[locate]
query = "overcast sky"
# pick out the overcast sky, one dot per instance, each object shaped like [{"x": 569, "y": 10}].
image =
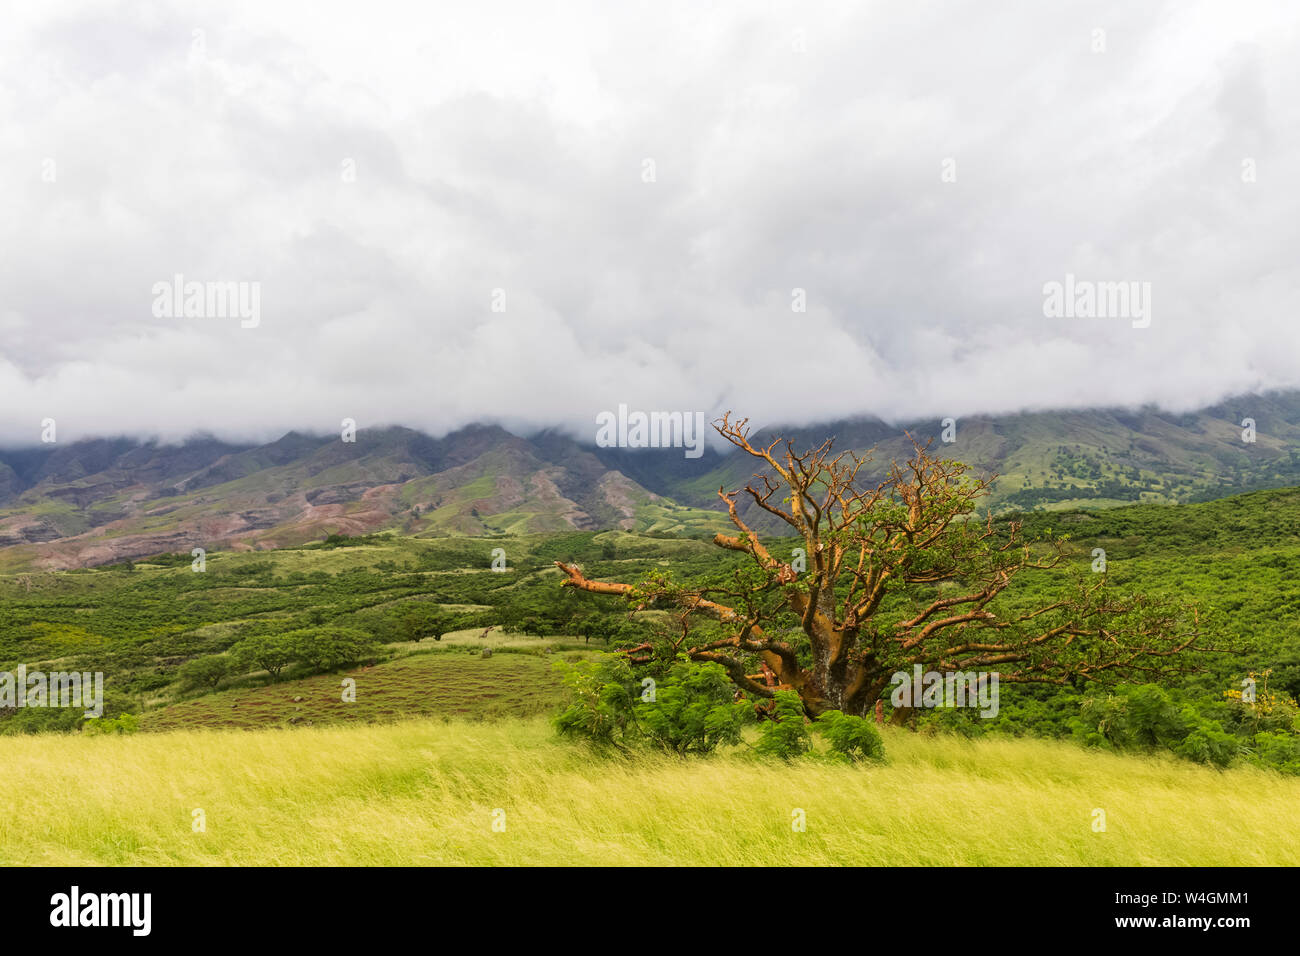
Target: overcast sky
[{"x": 379, "y": 169}]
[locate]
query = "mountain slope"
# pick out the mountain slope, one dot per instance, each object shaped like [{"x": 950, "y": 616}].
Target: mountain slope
[
  {"x": 1092, "y": 458},
  {"x": 98, "y": 502},
  {"x": 108, "y": 499}
]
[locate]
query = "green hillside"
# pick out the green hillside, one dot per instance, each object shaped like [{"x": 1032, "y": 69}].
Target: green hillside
[
  {"x": 1237, "y": 558},
  {"x": 427, "y": 684},
  {"x": 1061, "y": 460}
]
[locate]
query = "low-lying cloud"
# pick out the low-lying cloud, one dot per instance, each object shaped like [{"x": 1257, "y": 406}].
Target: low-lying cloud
[{"x": 530, "y": 213}]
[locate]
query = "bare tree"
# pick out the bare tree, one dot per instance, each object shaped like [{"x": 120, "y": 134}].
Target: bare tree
[{"x": 897, "y": 574}]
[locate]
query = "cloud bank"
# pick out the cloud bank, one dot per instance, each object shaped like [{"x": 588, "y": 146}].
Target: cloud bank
[{"x": 531, "y": 212}]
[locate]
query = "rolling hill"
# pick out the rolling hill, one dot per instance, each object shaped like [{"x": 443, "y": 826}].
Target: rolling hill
[{"x": 106, "y": 500}]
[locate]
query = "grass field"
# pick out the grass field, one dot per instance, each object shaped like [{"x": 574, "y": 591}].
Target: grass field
[
  {"x": 432, "y": 684},
  {"x": 424, "y": 792}
]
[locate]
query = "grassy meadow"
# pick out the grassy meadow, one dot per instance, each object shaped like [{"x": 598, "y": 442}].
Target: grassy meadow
[
  {"x": 419, "y": 685},
  {"x": 440, "y": 736},
  {"x": 424, "y": 792}
]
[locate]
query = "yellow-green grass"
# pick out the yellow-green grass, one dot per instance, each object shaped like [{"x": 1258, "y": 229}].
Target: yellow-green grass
[{"x": 425, "y": 792}]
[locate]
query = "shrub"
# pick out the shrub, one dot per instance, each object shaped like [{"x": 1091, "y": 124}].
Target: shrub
[
  {"x": 121, "y": 724},
  {"x": 1209, "y": 743},
  {"x": 1100, "y": 722},
  {"x": 1152, "y": 719},
  {"x": 693, "y": 710},
  {"x": 1278, "y": 751},
  {"x": 419, "y": 619},
  {"x": 851, "y": 738},
  {"x": 1146, "y": 717},
  {"x": 600, "y": 705},
  {"x": 785, "y": 735}
]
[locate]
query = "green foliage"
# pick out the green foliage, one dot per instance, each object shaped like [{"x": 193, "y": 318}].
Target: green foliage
[
  {"x": 599, "y": 709},
  {"x": 1278, "y": 751},
  {"x": 329, "y": 648},
  {"x": 785, "y": 735},
  {"x": 121, "y": 724},
  {"x": 689, "y": 711},
  {"x": 333, "y": 541},
  {"x": 692, "y": 710},
  {"x": 203, "y": 671},
  {"x": 269, "y": 652},
  {"x": 851, "y": 738},
  {"x": 33, "y": 720},
  {"x": 1146, "y": 717},
  {"x": 416, "y": 620},
  {"x": 1208, "y": 742},
  {"x": 1151, "y": 718},
  {"x": 178, "y": 559}
]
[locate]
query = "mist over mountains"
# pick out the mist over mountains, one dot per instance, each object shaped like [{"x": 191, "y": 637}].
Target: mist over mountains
[{"x": 104, "y": 500}]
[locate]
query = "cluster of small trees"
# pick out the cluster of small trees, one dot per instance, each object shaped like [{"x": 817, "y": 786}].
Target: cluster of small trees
[
  {"x": 416, "y": 620},
  {"x": 316, "y": 649},
  {"x": 1147, "y": 717}
]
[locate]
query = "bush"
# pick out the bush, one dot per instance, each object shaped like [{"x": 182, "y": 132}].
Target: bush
[
  {"x": 851, "y": 738},
  {"x": 785, "y": 735},
  {"x": 1152, "y": 719},
  {"x": 690, "y": 710},
  {"x": 1277, "y": 751},
  {"x": 34, "y": 720},
  {"x": 417, "y": 620},
  {"x": 1147, "y": 718},
  {"x": 600, "y": 704},
  {"x": 121, "y": 724},
  {"x": 693, "y": 710},
  {"x": 1209, "y": 743}
]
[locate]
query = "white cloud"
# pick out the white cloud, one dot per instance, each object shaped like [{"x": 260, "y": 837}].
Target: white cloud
[{"x": 500, "y": 145}]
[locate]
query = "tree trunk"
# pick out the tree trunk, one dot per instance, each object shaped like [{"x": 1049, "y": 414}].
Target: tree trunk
[{"x": 837, "y": 680}]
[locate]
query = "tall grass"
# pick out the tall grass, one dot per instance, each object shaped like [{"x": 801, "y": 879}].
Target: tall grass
[{"x": 424, "y": 792}]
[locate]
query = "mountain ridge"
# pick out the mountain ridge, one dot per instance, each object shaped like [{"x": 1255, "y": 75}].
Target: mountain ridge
[{"x": 108, "y": 499}]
